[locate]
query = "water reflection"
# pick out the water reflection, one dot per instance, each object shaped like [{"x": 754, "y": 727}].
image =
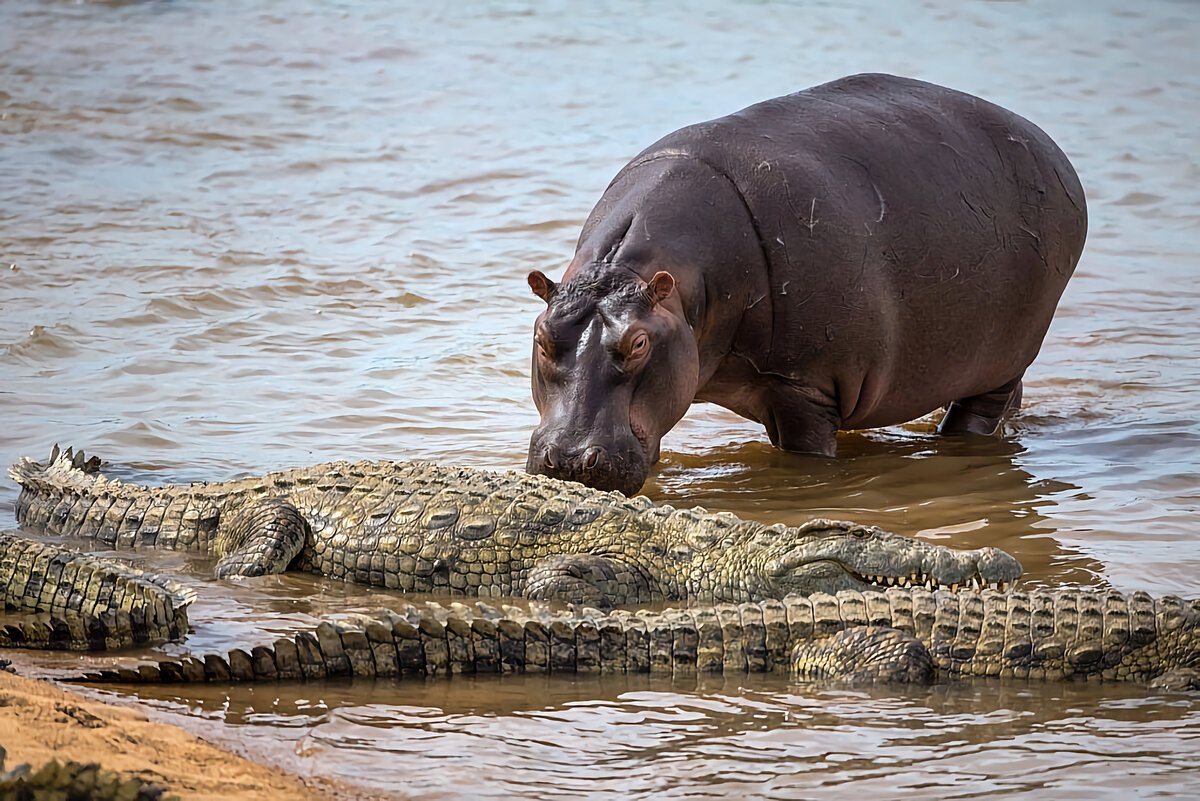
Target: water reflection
[
  {"x": 713, "y": 737},
  {"x": 965, "y": 492}
]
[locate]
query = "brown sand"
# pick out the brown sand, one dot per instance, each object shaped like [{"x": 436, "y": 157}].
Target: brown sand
[{"x": 40, "y": 721}]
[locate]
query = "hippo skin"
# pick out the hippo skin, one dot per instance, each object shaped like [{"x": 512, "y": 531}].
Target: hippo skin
[{"x": 853, "y": 255}]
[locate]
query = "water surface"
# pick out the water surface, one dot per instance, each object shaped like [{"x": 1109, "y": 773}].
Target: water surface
[{"x": 252, "y": 236}]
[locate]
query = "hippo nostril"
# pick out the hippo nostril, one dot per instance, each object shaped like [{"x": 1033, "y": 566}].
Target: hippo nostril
[{"x": 592, "y": 457}]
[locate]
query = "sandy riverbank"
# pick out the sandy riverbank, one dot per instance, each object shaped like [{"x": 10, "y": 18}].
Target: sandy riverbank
[{"x": 40, "y": 721}]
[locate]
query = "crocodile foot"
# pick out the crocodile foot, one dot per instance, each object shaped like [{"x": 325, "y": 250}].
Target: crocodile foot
[{"x": 865, "y": 654}]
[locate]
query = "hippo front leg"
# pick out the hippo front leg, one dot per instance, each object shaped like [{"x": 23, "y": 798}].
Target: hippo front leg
[{"x": 800, "y": 421}]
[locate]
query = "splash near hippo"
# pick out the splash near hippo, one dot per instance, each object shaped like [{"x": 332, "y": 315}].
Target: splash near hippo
[{"x": 850, "y": 256}]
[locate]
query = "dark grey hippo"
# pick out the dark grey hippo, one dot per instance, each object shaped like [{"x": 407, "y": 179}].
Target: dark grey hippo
[{"x": 854, "y": 255}]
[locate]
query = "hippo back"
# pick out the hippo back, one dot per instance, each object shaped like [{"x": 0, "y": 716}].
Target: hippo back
[{"x": 917, "y": 239}]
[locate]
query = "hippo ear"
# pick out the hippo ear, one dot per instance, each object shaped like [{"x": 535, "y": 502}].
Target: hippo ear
[
  {"x": 660, "y": 286},
  {"x": 542, "y": 286}
]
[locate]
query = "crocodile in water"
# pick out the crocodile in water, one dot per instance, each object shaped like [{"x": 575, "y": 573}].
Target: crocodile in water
[
  {"x": 420, "y": 527},
  {"x": 909, "y": 634}
]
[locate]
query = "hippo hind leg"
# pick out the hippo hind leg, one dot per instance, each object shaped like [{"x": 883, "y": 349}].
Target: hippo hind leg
[{"x": 982, "y": 414}]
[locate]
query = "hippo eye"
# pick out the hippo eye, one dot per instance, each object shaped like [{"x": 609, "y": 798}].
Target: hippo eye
[{"x": 638, "y": 346}]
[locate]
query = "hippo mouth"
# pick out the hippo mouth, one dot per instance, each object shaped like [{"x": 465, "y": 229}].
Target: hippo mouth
[{"x": 642, "y": 438}]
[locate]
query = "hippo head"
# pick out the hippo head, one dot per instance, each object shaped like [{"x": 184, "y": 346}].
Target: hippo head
[{"x": 614, "y": 368}]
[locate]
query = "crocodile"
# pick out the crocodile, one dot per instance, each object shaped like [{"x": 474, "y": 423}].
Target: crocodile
[
  {"x": 421, "y": 527},
  {"x": 73, "y": 601},
  {"x": 69, "y": 779},
  {"x": 899, "y": 634}
]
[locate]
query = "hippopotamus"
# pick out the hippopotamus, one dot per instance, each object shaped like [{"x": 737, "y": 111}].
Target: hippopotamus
[{"x": 854, "y": 255}]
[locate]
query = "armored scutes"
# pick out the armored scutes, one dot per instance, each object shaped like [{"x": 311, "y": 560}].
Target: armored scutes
[
  {"x": 74, "y": 780},
  {"x": 69, "y": 600},
  {"x": 896, "y": 635},
  {"x": 906, "y": 635},
  {"x": 419, "y": 527}
]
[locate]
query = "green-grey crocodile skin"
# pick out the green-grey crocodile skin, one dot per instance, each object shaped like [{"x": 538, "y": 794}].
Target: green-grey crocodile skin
[
  {"x": 898, "y": 634},
  {"x": 421, "y": 527},
  {"x": 74, "y": 601},
  {"x": 74, "y": 780}
]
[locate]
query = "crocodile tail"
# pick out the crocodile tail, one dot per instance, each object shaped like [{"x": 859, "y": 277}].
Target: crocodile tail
[
  {"x": 63, "y": 470},
  {"x": 72, "y": 600},
  {"x": 50, "y": 486}
]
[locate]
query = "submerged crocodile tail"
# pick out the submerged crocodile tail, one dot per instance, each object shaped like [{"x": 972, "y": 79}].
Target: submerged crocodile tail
[{"x": 74, "y": 601}]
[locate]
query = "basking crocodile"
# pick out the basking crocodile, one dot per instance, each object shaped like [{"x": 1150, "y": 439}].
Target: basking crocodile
[
  {"x": 420, "y": 527},
  {"x": 901, "y": 634},
  {"x": 910, "y": 635},
  {"x": 70, "y": 600}
]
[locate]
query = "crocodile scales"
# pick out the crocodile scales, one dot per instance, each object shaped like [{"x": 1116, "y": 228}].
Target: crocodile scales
[
  {"x": 900, "y": 634},
  {"x": 420, "y": 527}
]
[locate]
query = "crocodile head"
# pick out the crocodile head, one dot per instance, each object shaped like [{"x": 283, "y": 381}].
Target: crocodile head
[{"x": 828, "y": 556}]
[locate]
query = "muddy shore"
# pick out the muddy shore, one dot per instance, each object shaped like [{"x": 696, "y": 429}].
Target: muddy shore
[{"x": 40, "y": 721}]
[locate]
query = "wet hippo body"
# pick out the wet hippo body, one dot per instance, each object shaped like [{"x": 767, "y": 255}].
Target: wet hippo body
[{"x": 854, "y": 255}]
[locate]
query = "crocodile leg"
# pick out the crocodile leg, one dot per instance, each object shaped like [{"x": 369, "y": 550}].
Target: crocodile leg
[
  {"x": 263, "y": 538},
  {"x": 864, "y": 654},
  {"x": 587, "y": 579},
  {"x": 1178, "y": 680}
]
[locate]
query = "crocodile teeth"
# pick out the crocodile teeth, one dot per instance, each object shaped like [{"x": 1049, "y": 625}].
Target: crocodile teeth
[{"x": 954, "y": 588}]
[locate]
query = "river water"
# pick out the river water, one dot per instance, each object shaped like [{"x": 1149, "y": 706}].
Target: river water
[{"x": 242, "y": 236}]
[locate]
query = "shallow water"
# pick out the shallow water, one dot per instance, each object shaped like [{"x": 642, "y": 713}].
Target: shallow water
[{"x": 250, "y": 236}]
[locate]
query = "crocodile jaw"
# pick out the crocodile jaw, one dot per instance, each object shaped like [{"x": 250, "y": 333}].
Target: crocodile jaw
[{"x": 868, "y": 558}]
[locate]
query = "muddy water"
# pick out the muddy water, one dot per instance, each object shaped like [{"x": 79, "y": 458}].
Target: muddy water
[{"x": 249, "y": 236}]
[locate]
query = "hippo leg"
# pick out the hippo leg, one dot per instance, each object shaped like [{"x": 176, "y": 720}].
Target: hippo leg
[
  {"x": 798, "y": 421},
  {"x": 981, "y": 414}
]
